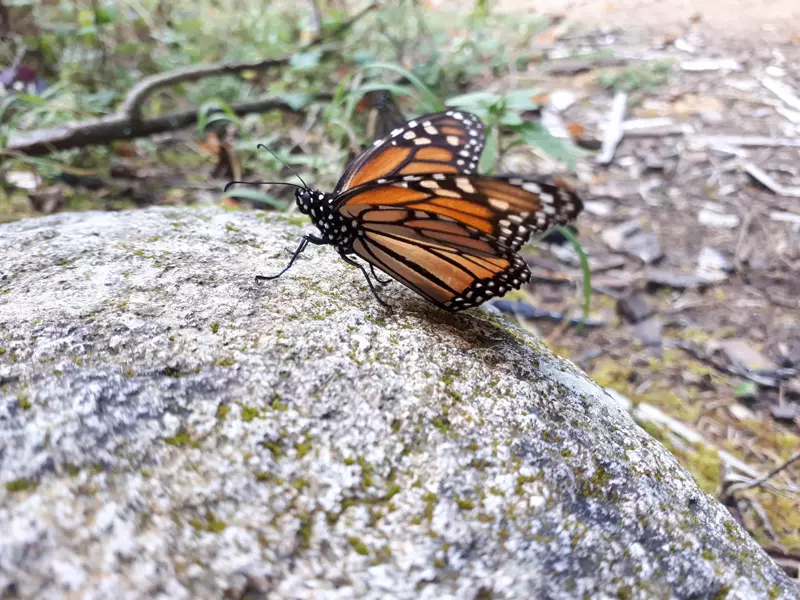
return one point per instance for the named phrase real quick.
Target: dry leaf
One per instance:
(576, 130)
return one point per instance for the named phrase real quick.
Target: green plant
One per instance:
(637, 78)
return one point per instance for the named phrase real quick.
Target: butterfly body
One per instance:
(334, 228)
(412, 206)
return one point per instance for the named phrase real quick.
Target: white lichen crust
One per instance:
(169, 428)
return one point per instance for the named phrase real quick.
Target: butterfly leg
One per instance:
(361, 268)
(303, 243)
(375, 275)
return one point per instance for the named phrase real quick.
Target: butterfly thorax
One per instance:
(334, 227)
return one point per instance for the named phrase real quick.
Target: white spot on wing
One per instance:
(498, 204)
(464, 184)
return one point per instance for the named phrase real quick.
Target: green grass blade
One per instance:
(430, 101)
(358, 93)
(587, 274)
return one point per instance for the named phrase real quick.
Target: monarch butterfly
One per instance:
(413, 206)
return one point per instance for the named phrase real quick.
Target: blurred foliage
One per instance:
(425, 58)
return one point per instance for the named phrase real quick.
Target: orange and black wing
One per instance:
(447, 142)
(453, 238)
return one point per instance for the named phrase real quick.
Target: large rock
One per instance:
(172, 429)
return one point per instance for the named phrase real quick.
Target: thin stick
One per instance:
(614, 132)
(120, 127)
(771, 474)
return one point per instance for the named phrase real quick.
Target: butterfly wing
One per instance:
(447, 142)
(453, 238)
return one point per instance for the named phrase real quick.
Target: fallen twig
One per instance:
(753, 141)
(757, 482)
(119, 127)
(784, 217)
(655, 127)
(647, 412)
(527, 311)
(127, 122)
(782, 91)
(711, 64)
(5, 20)
(316, 17)
(770, 378)
(768, 181)
(613, 133)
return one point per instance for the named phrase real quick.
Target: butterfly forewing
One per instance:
(504, 211)
(447, 142)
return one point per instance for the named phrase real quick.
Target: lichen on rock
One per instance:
(189, 432)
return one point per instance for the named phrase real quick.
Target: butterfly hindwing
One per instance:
(441, 260)
(447, 142)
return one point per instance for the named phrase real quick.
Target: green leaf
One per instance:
(473, 99)
(587, 273)
(297, 100)
(208, 113)
(488, 161)
(431, 102)
(746, 389)
(105, 15)
(358, 93)
(534, 134)
(511, 119)
(256, 195)
(306, 60)
(522, 99)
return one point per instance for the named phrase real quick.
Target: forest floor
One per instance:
(693, 235)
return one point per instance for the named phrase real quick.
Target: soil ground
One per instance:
(673, 363)
(723, 19)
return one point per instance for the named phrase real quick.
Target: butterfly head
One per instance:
(303, 197)
(311, 202)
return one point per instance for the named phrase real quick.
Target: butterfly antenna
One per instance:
(283, 163)
(231, 183)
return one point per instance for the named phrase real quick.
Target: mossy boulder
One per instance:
(187, 432)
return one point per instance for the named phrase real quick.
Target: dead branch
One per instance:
(5, 20)
(316, 17)
(761, 480)
(770, 378)
(614, 133)
(119, 127)
(127, 122)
